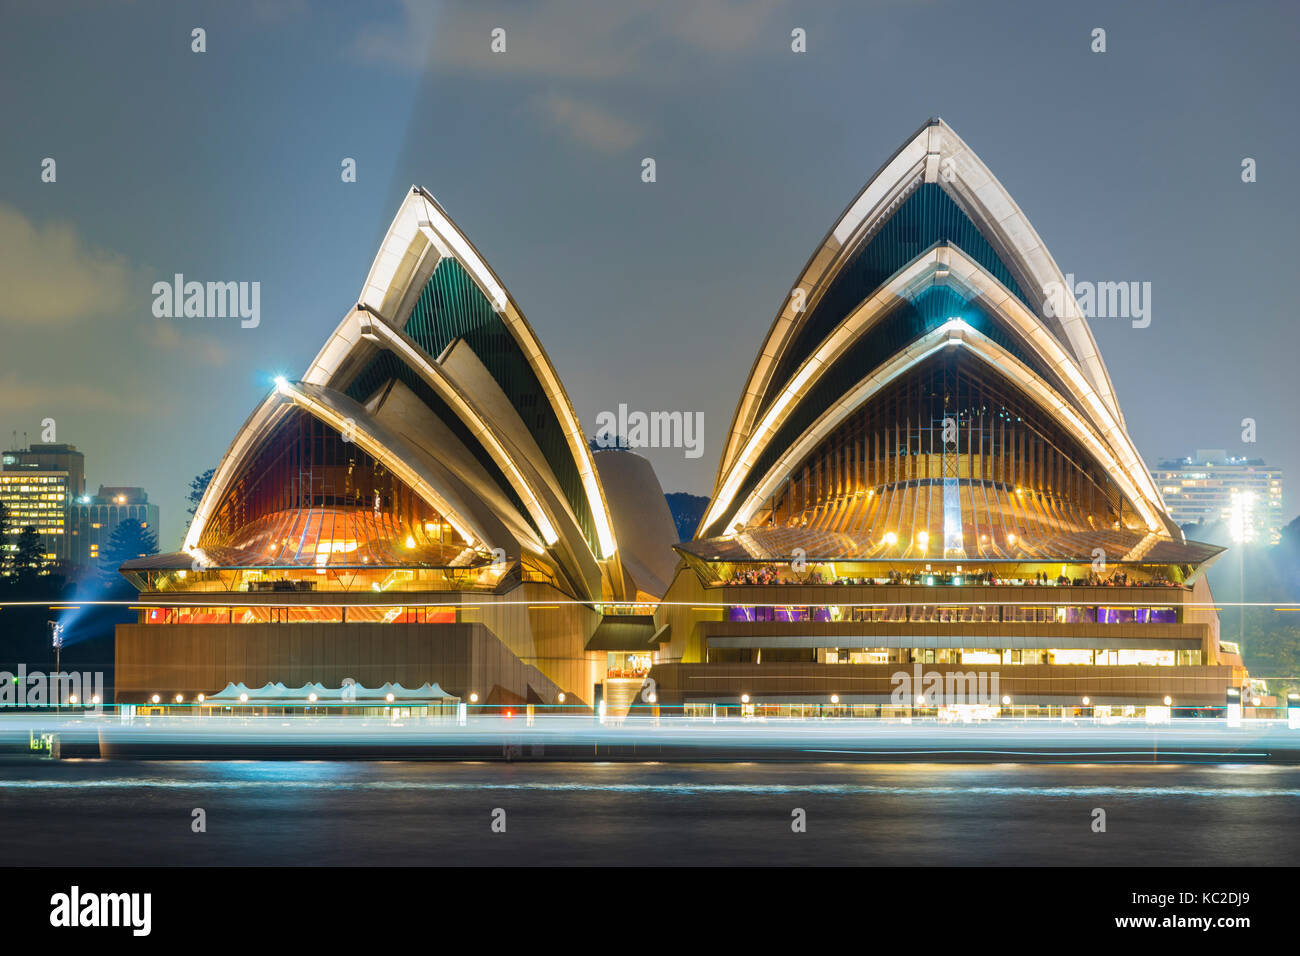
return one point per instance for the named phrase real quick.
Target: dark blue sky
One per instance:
(225, 166)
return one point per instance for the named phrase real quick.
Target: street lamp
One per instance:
(56, 638)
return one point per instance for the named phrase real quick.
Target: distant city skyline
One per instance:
(230, 166)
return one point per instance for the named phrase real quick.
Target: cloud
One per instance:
(275, 11)
(570, 39)
(729, 26)
(589, 124)
(49, 274)
(164, 334)
(44, 395)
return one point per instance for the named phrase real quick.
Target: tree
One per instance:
(198, 485)
(604, 441)
(688, 511)
(29, 557)
(4, 540)
(129, 540)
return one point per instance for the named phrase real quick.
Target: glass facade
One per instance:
(945, 614)
(309, 498)
(953, 420)
(37, 499)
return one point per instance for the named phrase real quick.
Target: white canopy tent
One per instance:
(349, 693)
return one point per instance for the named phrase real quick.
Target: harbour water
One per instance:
(322, 813)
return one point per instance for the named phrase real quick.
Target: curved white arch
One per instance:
(954, 333)
(939, 265)
(433, 375)
(934, 154)
(420, 227)
(368, 436)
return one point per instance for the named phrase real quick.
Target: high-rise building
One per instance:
(44, 486)
(92, 519)
(51, 457)
(36, 498)
(1212, 487)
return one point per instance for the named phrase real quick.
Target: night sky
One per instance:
(225, 165)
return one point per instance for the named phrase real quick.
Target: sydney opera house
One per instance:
(422, 506)
(928, 472)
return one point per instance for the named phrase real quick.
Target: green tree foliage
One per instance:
(1272, 648)
(129, 540)
(4, 540)
(29, 556)
(198, 485)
